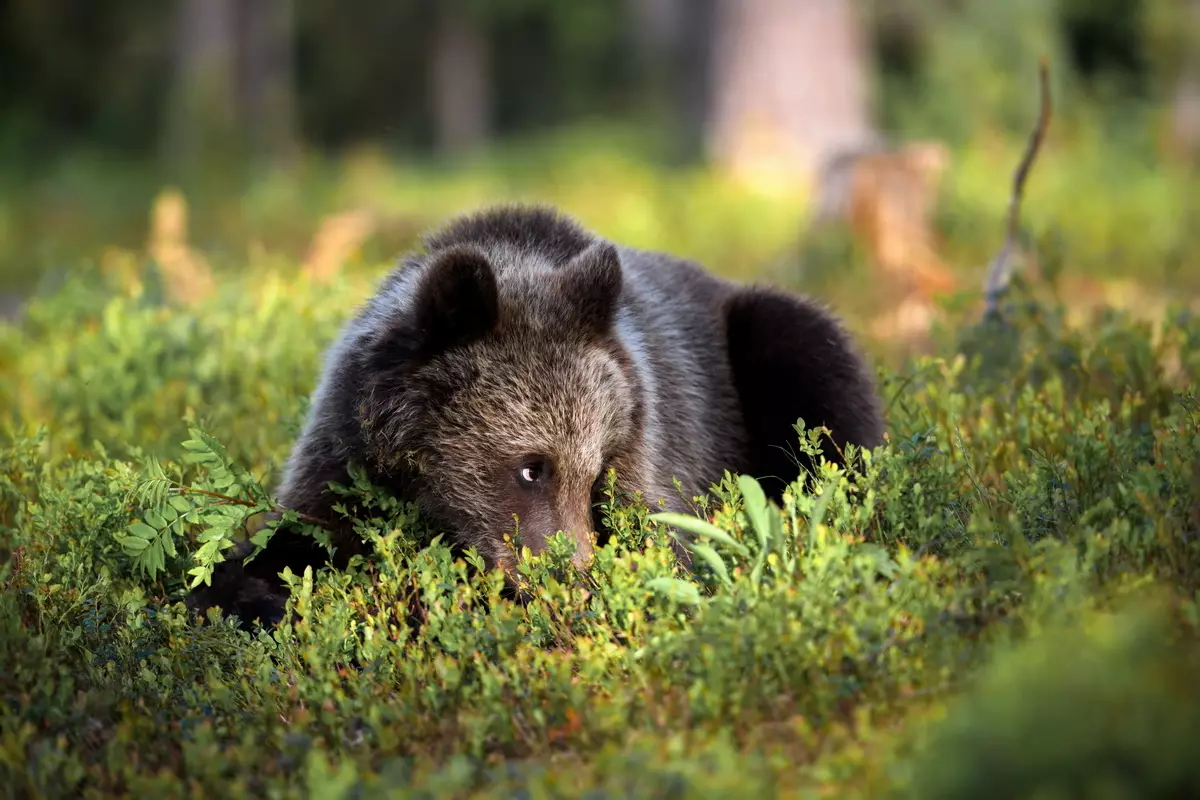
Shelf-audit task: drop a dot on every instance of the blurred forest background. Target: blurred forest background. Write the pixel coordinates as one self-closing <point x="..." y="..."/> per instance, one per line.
<point x="329" y="134"/>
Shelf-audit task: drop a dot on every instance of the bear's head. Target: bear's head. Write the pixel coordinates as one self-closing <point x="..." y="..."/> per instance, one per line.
<point x="500" y="393"/>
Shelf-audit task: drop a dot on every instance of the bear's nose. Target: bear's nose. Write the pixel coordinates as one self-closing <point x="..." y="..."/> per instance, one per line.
<point x="583" y="547"/>
<point x="578" y="527"/>
<point x="572" y="515"/>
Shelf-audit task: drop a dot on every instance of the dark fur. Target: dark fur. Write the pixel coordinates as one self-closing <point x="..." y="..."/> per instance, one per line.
<point x="517" y="333"/>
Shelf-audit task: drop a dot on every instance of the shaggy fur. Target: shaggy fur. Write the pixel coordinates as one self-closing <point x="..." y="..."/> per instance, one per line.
<point x="520" y="345"/>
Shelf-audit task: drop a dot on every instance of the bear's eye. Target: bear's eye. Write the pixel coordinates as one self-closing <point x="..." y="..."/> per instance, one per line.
<point x="532" y="472"/>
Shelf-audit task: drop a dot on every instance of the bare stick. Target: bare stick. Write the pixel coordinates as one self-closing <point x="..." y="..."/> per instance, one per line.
<point x="999" y="272"/>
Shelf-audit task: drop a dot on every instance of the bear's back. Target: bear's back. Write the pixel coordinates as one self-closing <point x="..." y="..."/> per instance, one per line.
<point x="673" y="311"/>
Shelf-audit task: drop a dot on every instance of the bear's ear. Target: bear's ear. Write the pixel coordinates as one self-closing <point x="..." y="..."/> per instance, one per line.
<point x="456" y="301"/>
<point x="591" y="284"/>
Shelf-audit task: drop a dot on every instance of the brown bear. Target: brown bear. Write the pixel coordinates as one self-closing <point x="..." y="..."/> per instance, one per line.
<point x="503" y="371"/>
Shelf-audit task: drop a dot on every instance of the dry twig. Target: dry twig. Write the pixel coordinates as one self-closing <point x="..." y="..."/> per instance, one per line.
<point x="999" y="272"/>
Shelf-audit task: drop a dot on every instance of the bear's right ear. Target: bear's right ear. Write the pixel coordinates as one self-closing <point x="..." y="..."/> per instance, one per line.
<point x="456" y="301"/>
<point x="591" y="283"/>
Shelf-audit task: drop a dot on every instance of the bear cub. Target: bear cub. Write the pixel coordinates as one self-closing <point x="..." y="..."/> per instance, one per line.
<point x="503" y="371"/>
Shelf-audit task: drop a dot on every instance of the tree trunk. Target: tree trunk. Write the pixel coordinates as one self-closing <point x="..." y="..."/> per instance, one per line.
<point x="460" y="81"/>
<point x="790" y="86"/>
<point x="1185" y="108"/>
<point x="1185" y="114"/>
<point x="266" y="35"/>
<point x="202" y="122"/>
<point x="674" y="37"/>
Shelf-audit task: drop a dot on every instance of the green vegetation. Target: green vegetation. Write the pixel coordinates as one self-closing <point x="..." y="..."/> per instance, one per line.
<point x="1004" y="602"/>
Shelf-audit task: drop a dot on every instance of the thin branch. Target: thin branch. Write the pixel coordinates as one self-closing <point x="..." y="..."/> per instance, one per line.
<point x="999" y="272"/>
<point x="251" y="504"/>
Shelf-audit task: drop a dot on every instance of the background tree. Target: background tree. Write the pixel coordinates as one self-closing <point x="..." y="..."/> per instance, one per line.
<point x="266" y="68"/>
<point x="460" y="79"/>
<point x="768" y="77"/>
<point x="202" y="125"/>
<point x="674" y="42"/>
<point x="791" y="84"/>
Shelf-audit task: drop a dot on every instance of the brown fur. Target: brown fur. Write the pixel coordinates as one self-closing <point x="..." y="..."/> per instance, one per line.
<point x="519" y="337"/>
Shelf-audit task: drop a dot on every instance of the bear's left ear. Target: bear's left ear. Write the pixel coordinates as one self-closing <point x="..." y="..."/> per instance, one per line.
<point x="591" y="284"/>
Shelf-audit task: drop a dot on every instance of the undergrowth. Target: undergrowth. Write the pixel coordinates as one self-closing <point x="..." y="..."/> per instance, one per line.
<point x="1002" y="602"/>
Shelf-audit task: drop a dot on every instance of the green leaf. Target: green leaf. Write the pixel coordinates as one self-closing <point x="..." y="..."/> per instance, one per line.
<point x="215" y="532"/>
<point x="881" y="560"/>
<point x="678" y="590"/>
<point x="759" y="564"/>
<point x="142" y="531"/>
<point x="818" y="512"/>
<point x="473" y="558"/>
<point x="168" y="543"/>
<point x="700" y="527"/>
<point x="756" y="509"/>
<point x="154" y="558"/>
<point x="202" y="575"/>
<point x="155" y="519"/>
<point x="133" y="543"/>
<point x="262" y="536"/>
<point x="713" y="559"/>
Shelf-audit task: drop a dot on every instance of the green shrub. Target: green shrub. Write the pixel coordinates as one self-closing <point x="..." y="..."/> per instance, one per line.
<point x="1002" y="602"/>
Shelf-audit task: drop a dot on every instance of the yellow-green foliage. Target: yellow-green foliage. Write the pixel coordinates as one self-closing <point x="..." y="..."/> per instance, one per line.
<point x="1004" y="602"/>
<point x="1116" y="210"/>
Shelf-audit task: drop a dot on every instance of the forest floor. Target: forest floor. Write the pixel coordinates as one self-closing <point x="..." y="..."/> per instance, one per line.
<point x="1004" y="603"/>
